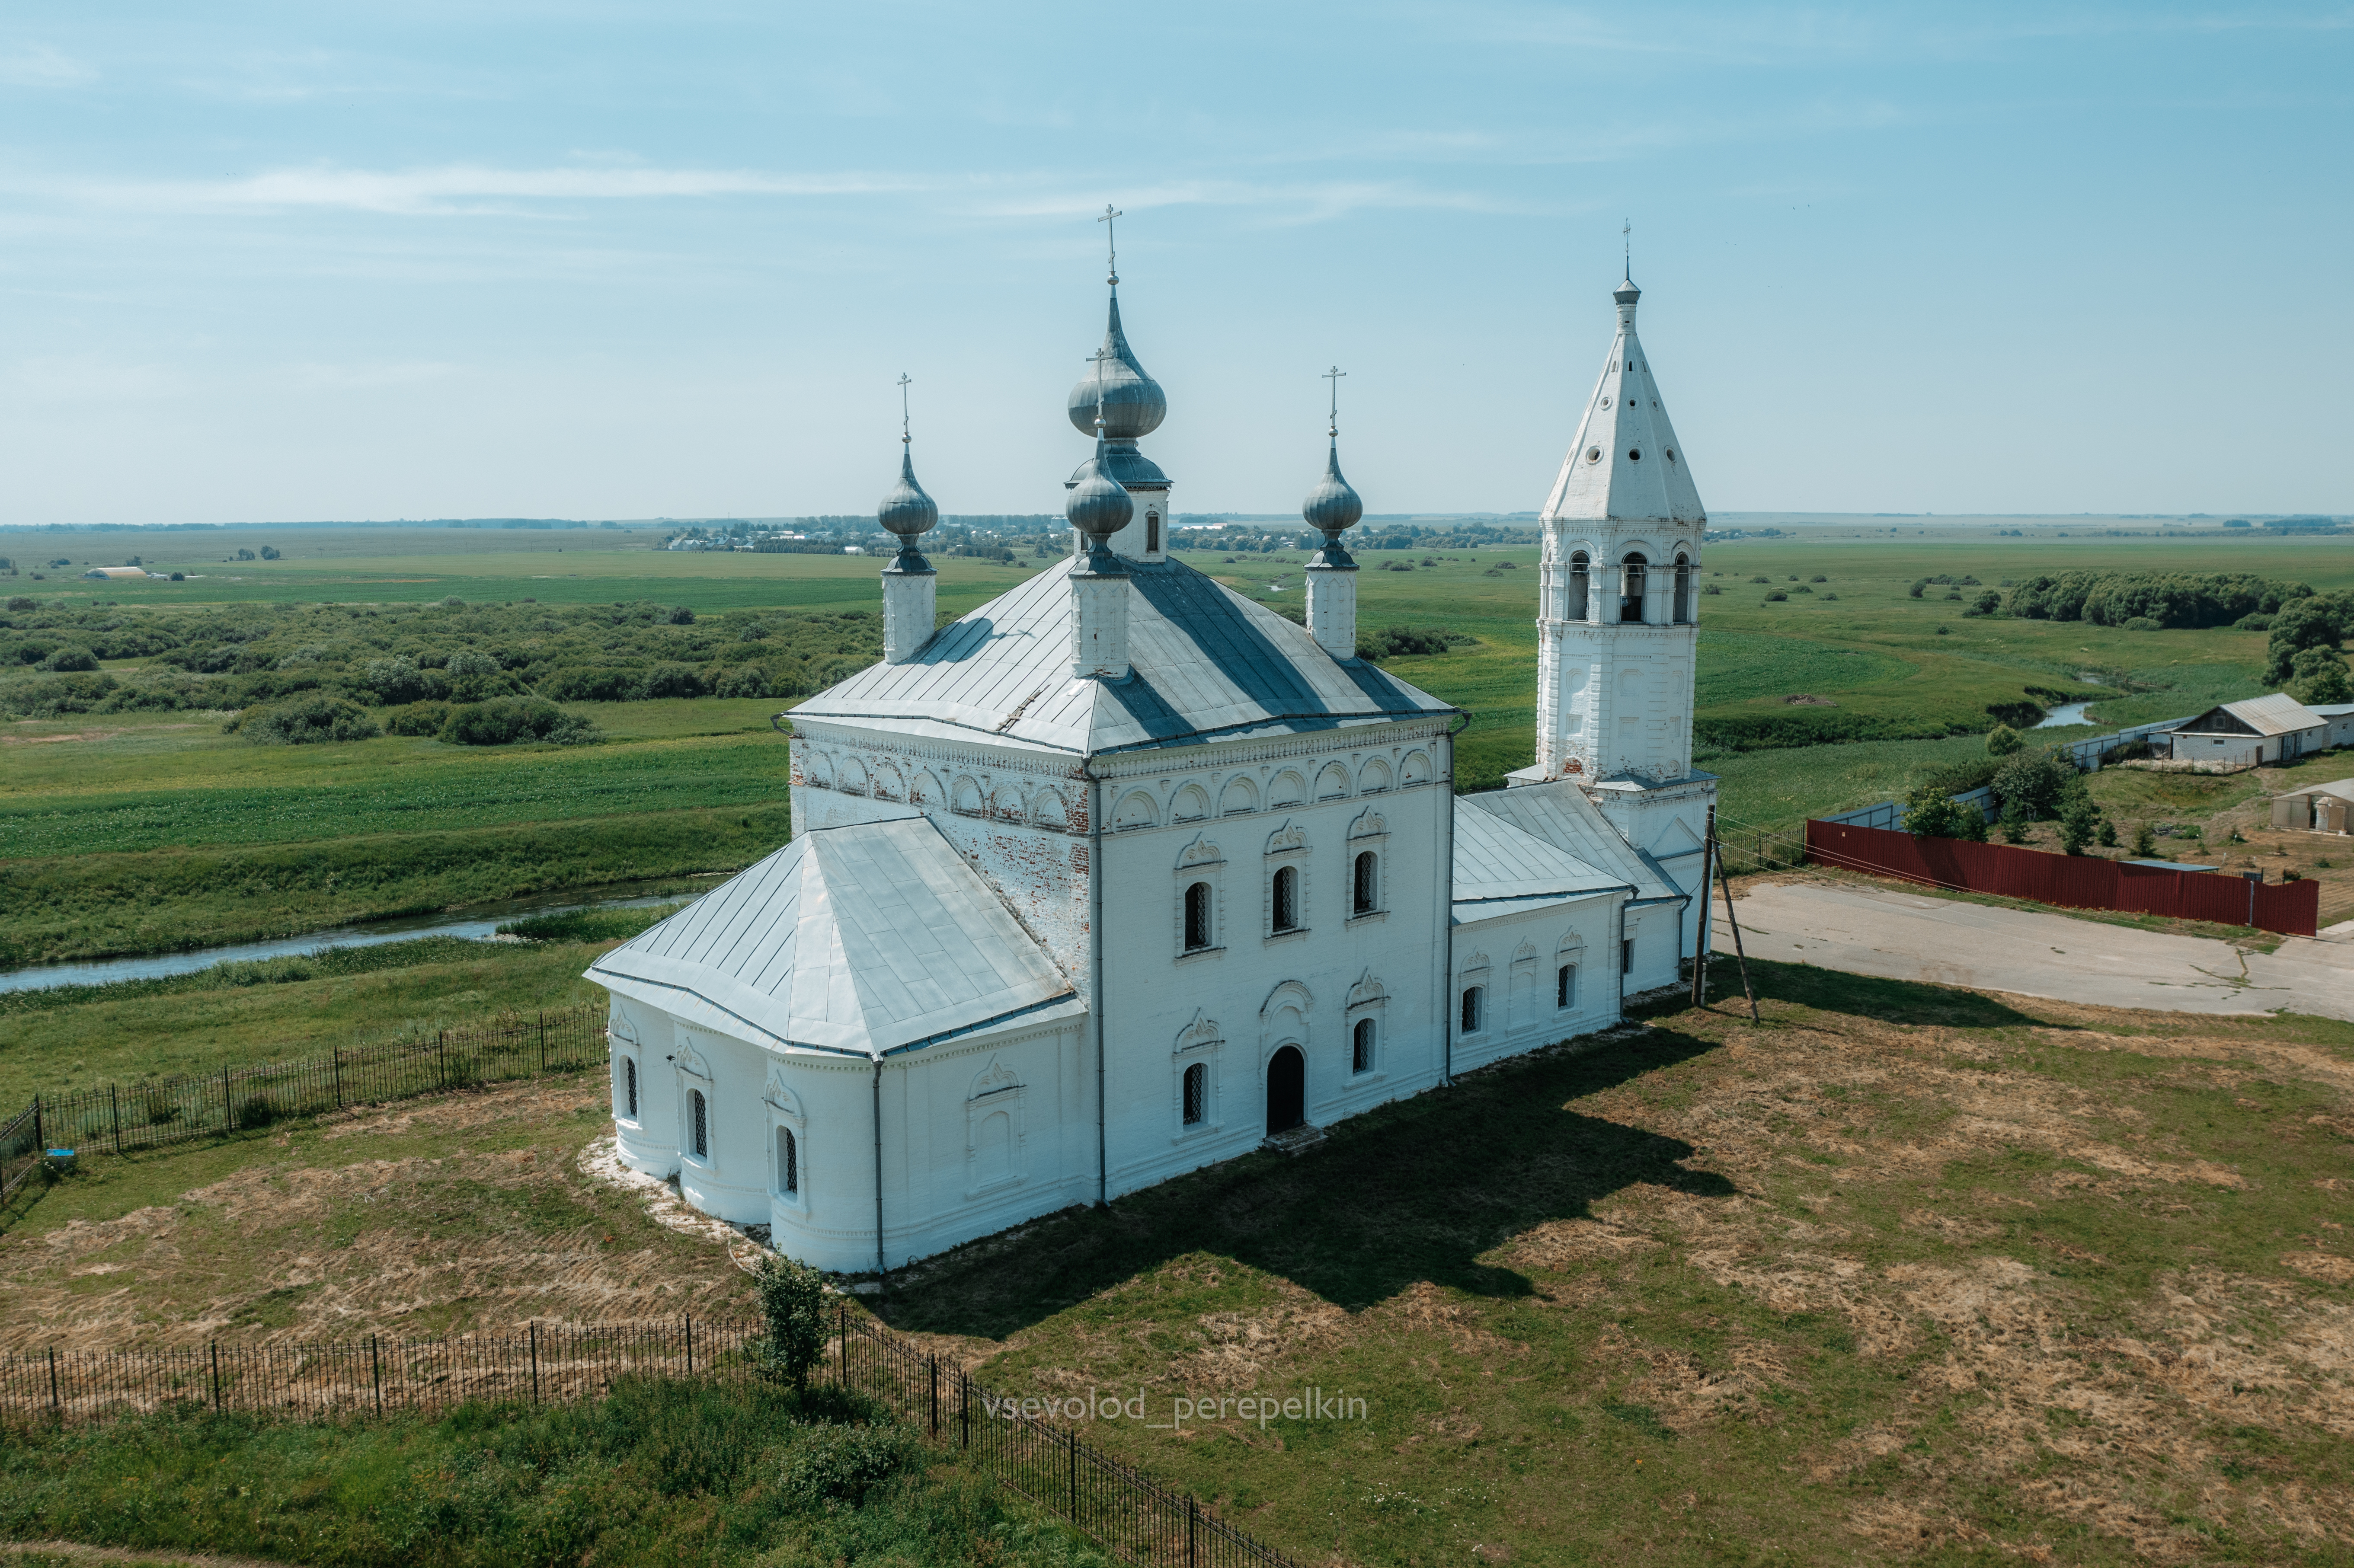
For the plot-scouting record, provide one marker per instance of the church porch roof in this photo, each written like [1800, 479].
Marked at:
[863, 939]
[1559, 816]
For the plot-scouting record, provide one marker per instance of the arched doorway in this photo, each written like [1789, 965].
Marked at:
[1287, 1091]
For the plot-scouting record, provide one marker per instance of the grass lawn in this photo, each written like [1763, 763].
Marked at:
[1905, 1273]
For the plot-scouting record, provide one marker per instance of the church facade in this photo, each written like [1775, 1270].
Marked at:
[1122, 874]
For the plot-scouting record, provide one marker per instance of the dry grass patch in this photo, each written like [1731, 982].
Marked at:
[1905, 1274]
[428, 1217]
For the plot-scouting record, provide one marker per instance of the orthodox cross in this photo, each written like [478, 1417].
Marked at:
[903, 408]
[1099, 358]
[1627, 238]
[1109, 218]
[1333, 376]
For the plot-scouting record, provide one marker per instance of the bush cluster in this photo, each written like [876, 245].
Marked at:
[2172, 599]
[1393, 640]
[410, 657]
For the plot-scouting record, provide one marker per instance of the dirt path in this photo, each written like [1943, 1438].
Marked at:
[1896, 935]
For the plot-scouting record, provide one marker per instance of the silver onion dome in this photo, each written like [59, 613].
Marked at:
[906, 511]
[1132, 402]
[1333, 505]
[1098, 506]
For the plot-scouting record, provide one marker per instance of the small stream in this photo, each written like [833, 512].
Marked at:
[476, 922]
[2065, 714]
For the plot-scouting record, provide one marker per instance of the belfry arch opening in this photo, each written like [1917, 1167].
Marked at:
[1630, 588]
[1683, 610]
[1581, 570]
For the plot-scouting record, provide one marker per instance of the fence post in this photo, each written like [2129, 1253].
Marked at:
[543, 1044]
[114, 1104]
[339, 1076]
[228, 1109]
[1073, 1434]
[55, 1404]
[936, 1394]
[690, 1344]
[1192, 1517]
[535, 1364]
[216, 1348]
[964, 1410]
[841, 1342]
[441, 1058]
[40, 1139]
[376, 1374]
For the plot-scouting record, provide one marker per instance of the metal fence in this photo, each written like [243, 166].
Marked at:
[1116, 1503]
[118, 1117]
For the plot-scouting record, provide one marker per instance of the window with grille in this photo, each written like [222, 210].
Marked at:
[1475, 1004]
[1197, 917]
[789, 1163]
[629, 1088]
[702, 1118]
[1367, 891]
[1627, 957]
[1286, 899]
[1564, 987]
[1361, 1050]
[1197, 1093]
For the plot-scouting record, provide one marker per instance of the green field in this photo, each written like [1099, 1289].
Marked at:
[125, 831]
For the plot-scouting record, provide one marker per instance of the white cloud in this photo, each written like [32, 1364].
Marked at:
[37, 65]
[355, 378]
[451, 189]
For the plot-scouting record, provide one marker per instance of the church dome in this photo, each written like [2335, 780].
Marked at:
[1133, 404]
[906, 511]
[1625, 293]
[1333, 505]
[1098, 506]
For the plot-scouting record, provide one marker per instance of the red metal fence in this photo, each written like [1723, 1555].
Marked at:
[2072, 881]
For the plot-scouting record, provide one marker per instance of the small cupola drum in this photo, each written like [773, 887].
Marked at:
[910, 587]
[1331, 508]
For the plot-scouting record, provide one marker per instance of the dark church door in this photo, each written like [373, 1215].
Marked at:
[1287, 1091]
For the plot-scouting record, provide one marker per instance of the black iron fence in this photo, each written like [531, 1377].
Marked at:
[1117, 1504]
[118, 1117]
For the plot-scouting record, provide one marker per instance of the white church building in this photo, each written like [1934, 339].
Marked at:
[1121, 874]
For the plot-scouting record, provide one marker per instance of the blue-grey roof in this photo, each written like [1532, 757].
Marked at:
[906, 511]
[863, 939]
[1333, 505]
[1133, 404]
[1125, 463]
[1207, 664]
[1496, 860]
[1560, 814]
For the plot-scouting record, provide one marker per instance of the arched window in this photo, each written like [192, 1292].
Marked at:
[1197, 1093]
[1630, 591]
[1564, 987]
[1580, 581]
[1361, 1047]
[702, 1123]
[789, 1163]
[1627, 957]
[1152, 532]
[1366, 889]
[1197, 917]
[1475, 1008]
[1285, 900]
[629, 1088]
[1683, 590]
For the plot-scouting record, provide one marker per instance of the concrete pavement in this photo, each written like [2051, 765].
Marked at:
[1905, 935]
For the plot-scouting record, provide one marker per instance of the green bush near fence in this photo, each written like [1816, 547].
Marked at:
[662, 1471]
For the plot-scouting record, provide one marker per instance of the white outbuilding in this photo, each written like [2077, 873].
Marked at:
[1121, 874]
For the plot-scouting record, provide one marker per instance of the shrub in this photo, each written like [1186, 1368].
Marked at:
[837, 1464]
[308, 721]
[1776, 595]
[1829, 597]
[2144, 623]
[2015, 824]
[501, 721]
[2079, 818]
[2108, 834]
[473, 675]
[66, 661]
[793, 1306]
[1819, 578]
[2002, 740]
[2255, 621]
[2033, 782]
[2021, 715]
[1714, 588]
[23, 601]
[1987, 603]
[1930, 813]
[681, 616]
[418, 718]
[396, 680]
[1390, 641]
[2144, 840]
[269, 552]
[1761, 580]
[1917, 590]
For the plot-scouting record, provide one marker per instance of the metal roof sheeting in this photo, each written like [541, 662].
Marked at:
[1206, 663]
[1560, 815]
[2278, 713]
[862, 939]
[1495, 859]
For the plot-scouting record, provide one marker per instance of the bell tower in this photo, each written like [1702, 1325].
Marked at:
[1618, 611]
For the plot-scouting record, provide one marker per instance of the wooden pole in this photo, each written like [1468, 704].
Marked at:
[1700, 951]
[1743, 957]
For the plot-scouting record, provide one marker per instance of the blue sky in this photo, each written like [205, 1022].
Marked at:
[302, 262]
